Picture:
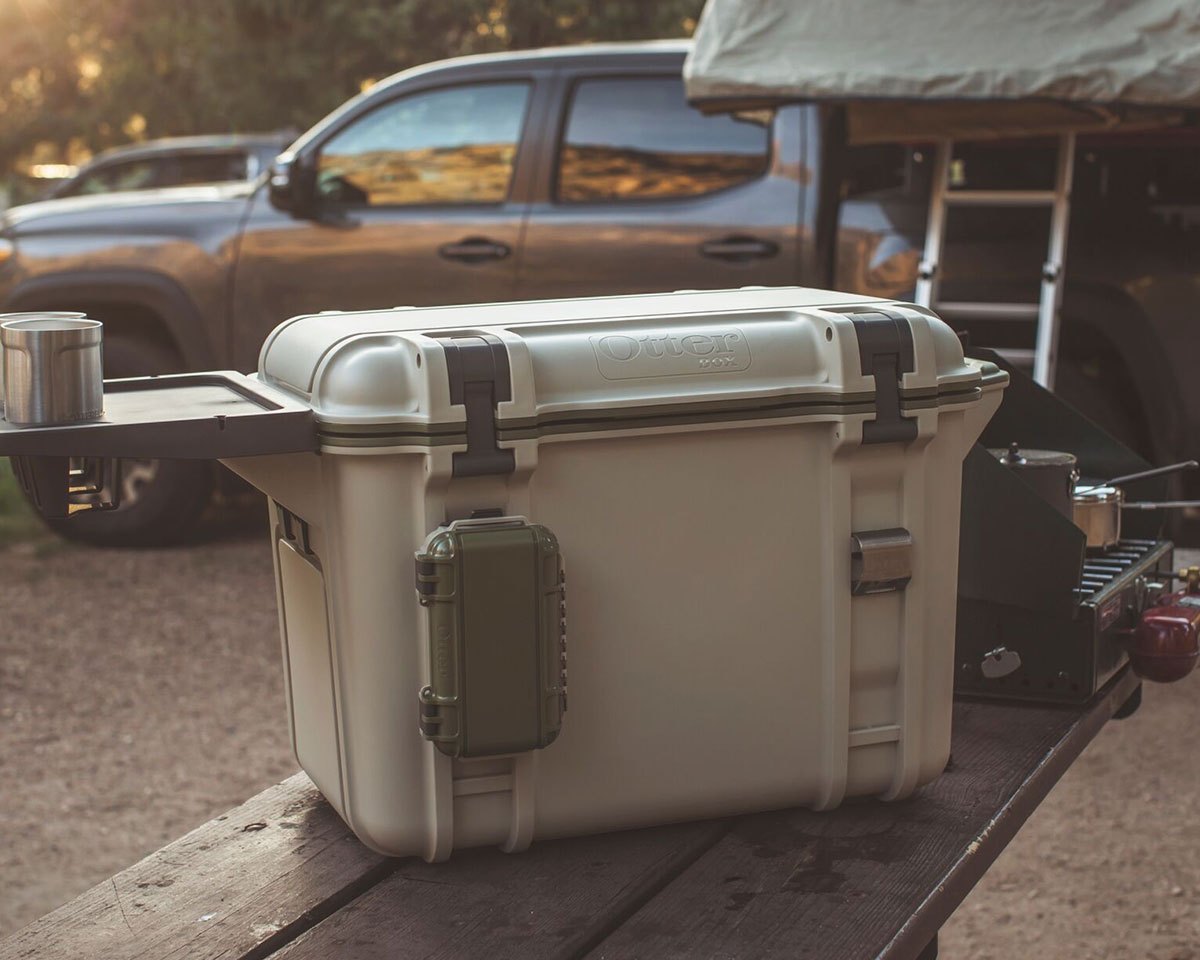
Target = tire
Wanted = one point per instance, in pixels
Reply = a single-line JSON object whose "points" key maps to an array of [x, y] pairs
{"points": [[1102, 389], [1105, 394], [161, 499]]}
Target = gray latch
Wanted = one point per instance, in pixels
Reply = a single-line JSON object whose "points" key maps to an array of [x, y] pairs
{"points": [[477, 367], [999, 663], [885, 350], [880, 560]]}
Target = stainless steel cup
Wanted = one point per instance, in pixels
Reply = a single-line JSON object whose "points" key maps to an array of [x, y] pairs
{"points": [[63, 314], [53, 369]]}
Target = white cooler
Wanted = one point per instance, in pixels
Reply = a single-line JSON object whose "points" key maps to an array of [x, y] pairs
{"points": [[754, 494]]}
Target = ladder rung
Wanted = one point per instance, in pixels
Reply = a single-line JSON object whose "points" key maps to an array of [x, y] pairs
{"points": [[1000, 198], [972, 310]]}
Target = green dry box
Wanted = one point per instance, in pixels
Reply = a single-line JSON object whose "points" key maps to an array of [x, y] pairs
{"points": [[493, 593]]}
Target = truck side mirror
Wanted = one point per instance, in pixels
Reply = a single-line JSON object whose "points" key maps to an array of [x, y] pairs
{"points": [[287, 186]]}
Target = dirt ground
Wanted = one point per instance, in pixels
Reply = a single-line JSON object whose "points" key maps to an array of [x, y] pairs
{"points": [[140, 694]]}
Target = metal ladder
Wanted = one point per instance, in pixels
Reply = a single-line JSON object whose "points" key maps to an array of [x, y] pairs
{"points": [[1046, 310]]}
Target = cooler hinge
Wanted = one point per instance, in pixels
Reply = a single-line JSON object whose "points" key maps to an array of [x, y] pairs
{"points": [[478, 371], [885, 349]]}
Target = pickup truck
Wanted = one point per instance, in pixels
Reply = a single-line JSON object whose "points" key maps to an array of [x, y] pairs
{"points": [[583, 171]]}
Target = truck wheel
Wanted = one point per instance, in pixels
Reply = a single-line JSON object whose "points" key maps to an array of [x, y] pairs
{"points": [[161, 500], [1104, 393]]}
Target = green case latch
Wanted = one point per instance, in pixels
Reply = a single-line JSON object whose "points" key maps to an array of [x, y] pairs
{"points": [[494, 593]]}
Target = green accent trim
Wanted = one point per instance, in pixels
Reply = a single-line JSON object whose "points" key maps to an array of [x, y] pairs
{"points": [[391, 430], [391, 439], [696, 408], [659, 415], [557, 428]]}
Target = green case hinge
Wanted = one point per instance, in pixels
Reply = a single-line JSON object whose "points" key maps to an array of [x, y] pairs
{"points": [[493, 590]]}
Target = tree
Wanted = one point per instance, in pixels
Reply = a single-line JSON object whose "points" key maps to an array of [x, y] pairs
{"points": [[80, 75]]}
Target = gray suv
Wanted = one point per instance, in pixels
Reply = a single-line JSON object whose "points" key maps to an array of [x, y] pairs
{"points": [[556, 173]]}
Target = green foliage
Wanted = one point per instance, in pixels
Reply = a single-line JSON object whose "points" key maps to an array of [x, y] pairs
{"points": [[17, 520], [81, 75]]}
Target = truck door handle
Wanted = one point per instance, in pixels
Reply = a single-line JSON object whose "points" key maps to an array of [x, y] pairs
{"points": [[474, 250], [739, 248]]}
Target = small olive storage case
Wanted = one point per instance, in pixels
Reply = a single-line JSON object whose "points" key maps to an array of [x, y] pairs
{"points": [[754, 496]]}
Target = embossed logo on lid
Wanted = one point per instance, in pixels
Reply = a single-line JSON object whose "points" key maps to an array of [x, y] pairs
{"points": [[670, 353]]}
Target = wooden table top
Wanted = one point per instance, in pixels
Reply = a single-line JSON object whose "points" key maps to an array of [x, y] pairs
{"points": [[281, 875]]}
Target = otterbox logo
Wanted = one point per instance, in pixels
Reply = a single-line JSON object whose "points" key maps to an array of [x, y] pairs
{"points": [[662, 353]]}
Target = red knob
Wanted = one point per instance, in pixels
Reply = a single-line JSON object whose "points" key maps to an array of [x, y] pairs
{"points": [[1166, 644]]}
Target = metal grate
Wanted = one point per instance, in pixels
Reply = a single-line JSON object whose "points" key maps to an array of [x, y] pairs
{"points": [[1101, 568]]}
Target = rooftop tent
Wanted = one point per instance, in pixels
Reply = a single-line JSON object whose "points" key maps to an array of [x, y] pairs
{"points": [[966, 69], [946, 70]]}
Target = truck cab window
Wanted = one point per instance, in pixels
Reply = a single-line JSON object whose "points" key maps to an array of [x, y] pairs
{"points": [[884, 171], [881, 219], [131, 175], [210, 167], [638, 139], [451, 146]]}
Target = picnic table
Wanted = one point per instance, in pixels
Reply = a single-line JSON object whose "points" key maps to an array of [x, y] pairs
{"points": [[282, 876]]}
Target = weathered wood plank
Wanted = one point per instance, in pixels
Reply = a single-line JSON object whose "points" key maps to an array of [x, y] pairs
{"points": [[868, 880], [556, 900], [237, 887], [283, 874], [1006, 818]]}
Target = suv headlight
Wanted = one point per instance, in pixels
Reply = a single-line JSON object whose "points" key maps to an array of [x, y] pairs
{"points": [[7, 249]]}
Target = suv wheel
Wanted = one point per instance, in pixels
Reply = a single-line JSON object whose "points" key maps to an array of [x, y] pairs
{"points": [[161, 500]]}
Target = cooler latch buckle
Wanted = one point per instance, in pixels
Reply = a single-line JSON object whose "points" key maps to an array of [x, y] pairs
{"points": [[885, 350], [478, 371]]}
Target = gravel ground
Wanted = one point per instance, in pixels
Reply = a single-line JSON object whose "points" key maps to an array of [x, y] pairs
{"points": [[140, 694]]}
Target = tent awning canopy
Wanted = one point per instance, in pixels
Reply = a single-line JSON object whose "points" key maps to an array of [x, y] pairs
{"points": [[966, 69]]}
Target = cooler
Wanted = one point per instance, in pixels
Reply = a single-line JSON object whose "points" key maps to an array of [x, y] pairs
{"points": [[563, 567]]}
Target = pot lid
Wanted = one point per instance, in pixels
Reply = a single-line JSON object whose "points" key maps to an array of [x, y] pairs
{"points": [[1085, 493], [1016, 456]]}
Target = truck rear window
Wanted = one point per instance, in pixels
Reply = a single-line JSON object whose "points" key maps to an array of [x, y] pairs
{"points": [[636, 138], [454, 145]]}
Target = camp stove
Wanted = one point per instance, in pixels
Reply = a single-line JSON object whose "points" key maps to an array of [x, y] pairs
{"points": [[1040, 615], [1010, 653]]}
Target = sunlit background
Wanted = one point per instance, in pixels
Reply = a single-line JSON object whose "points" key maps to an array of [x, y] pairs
{"points": [[79, 76]]}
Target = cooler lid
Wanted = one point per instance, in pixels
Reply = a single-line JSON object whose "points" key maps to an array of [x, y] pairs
{"points": [[412, 375]]}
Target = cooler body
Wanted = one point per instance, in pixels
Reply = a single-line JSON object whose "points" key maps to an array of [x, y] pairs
{"points": [[755, 496]]}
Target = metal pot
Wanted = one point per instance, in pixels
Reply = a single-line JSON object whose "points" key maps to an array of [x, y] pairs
{"points": [[1097, 507], [1097, 512], [1051, 473]]}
